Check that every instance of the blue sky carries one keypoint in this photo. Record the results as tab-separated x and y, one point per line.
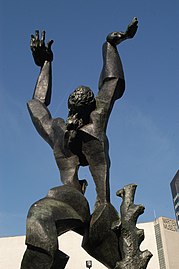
143	128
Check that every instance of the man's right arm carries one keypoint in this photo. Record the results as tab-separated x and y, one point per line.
37	107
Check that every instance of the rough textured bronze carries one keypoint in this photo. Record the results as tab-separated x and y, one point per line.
79	141
130	237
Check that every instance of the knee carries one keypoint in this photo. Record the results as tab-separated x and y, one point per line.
40	227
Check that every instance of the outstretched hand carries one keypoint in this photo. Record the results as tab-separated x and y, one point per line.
40	51
115	38
132	28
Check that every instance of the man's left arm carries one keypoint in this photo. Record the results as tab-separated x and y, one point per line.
112	82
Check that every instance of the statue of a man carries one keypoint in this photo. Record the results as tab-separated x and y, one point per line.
80	141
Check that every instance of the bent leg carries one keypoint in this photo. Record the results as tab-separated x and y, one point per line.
100	241
42	232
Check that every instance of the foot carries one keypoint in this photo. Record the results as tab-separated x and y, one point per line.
115	38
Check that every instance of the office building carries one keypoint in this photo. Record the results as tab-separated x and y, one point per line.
175	194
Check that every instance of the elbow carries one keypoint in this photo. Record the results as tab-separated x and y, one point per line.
120	88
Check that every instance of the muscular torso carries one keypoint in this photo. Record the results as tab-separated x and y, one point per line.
62	150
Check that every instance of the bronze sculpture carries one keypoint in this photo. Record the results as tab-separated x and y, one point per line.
80	141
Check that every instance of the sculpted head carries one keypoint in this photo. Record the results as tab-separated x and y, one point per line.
81	101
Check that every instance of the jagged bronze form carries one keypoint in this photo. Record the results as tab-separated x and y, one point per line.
130	237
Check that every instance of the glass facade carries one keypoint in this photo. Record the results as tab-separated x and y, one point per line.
175	194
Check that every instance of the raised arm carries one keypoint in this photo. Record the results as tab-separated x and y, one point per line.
112	66
43	57
39	113
111	82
